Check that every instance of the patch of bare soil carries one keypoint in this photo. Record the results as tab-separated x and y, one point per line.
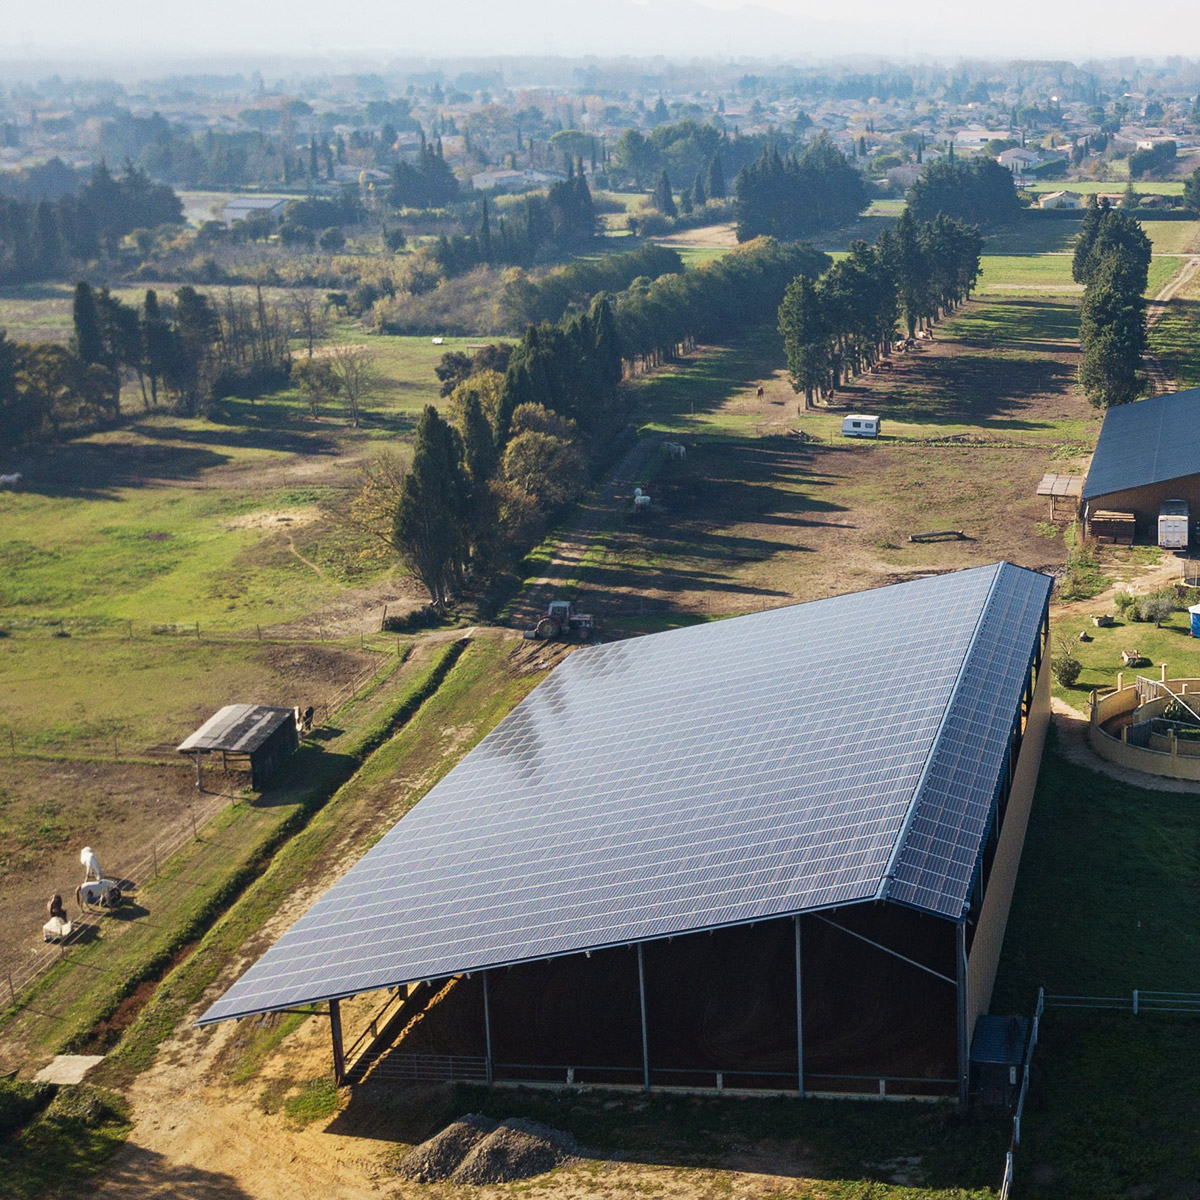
722	237
357	610
119	809
285	519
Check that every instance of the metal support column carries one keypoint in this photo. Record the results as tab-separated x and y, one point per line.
645	1038
799	1014
487	1026
335	1031
964	1034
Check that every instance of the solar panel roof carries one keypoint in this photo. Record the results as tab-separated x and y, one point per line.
805	757
1149	441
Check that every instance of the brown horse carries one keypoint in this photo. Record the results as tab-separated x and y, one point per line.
760	393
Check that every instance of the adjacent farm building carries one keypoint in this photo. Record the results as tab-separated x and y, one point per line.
257	736
1148	454
771	852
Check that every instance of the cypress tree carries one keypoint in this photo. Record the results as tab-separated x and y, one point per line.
429	529
88	342
716	178
662	198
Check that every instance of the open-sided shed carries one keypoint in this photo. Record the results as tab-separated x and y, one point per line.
775	851
1148	452
259	735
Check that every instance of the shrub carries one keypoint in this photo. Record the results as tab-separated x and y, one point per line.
1157	606
1123	601
1067	669
20	1103
425	617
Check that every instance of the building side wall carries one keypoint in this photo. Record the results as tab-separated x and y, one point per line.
1144	502
993	916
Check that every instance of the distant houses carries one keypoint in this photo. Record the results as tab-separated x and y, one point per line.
1063	199
507	180
239	208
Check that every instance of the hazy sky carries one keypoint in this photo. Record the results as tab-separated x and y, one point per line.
146	30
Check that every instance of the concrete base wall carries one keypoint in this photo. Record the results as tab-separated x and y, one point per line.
993	917
1164	762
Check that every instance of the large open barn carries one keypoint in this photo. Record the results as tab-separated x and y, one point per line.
1147	453
772	852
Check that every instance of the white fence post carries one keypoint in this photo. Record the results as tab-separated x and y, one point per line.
1135	1002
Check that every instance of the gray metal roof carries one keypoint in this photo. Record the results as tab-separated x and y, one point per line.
1149	441
239	728
822	754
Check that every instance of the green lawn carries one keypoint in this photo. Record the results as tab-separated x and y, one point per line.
1106	902
1090	187
1101	657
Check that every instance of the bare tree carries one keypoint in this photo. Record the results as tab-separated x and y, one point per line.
311	314
354	369
372	510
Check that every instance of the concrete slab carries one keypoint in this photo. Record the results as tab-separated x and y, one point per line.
68	1068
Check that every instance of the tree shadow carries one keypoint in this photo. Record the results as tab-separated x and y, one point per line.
100	470
785	1138
140	1174
250	436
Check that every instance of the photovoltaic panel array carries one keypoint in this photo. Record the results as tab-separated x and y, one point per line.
708	776
1151	441
936	864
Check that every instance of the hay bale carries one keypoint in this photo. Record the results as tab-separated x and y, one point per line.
516	1149
437	1158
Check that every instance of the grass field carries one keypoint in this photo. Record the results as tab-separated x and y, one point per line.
754	517
1106	903
1091	187
1176	334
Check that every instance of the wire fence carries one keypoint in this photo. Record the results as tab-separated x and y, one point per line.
16	977
129	876
1138	1002
110	629
1015	1140
107	739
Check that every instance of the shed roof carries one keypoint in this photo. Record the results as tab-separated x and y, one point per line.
1060	485
237	728
252	203
1150	441
823	754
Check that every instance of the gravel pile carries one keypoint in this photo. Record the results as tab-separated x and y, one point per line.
477	1150
437	1158
515	1149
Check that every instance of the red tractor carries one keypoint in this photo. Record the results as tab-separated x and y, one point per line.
561	620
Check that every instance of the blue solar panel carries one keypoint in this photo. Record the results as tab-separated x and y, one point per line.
708	776
1150	441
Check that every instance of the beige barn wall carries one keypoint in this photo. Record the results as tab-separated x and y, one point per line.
1156	760
1144	503
993	918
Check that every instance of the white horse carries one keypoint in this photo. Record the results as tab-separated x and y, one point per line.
10	480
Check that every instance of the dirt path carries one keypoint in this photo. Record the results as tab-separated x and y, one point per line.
306	561
1156	373
594	514
1072	728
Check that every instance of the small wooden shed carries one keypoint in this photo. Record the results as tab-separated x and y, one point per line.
1062	487
258	734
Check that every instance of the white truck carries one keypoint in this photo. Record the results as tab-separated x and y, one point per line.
1173	525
